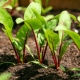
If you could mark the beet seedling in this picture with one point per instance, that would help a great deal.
(19, 41)
(35, 23)
(44, 11)
(58, 40)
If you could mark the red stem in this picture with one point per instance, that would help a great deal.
(12, 11)
(37, 46)
(44, 53)
(16, 53)
(55, 61)
(59, 60)
(24, 49)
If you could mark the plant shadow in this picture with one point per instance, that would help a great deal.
(29, 58)
(6, 61)
(33, 73)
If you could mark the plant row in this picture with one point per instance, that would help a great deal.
(54, 32)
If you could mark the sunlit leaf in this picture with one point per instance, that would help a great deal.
(38, 63)
(65, 19)
(8, 6)
(41, 39)
(51, 24)
(38, 1)
(63, 68)
(28, 48)
(73, 17)
(52, 38)
(5, 76)
(44, 11)
(75, 37)
(19, 20)
(64, 24)
(13, 3)
(78, 18)
(29, 13)
(48, 17)
(2, 2)
(21, 36)
(6, 20)
(39, 17)
(76, 75)
(60, 28)
(75, 69)
(34, 23)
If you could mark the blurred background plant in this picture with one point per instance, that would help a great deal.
(5, 76)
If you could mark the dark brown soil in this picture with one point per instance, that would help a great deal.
(28, 71)
(35, 72)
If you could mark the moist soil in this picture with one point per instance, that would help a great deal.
(28, 71)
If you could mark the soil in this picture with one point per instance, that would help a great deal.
(27, 71)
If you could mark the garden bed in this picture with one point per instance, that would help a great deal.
(47, 42)
(25, 71)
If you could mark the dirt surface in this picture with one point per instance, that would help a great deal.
(26, 71)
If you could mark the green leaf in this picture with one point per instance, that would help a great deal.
(75, 69)
(44, 11)
(60, 28)
(13, 3)
(52, 38)
(19, 8)
(38, 63)
(29, 13)
(64, 48)
(2, 63)
(65, 19)
(34, 23)
(5, 76)
(19, 20)
(6, 20)
(73, 17)
(8, 33)
(21, 36)
(8, 6)
(48, 17)
(2, 2)
(76, 75)
(78, 18)
(38, 1)
(63, 68)
(39, 17)
(75, 37)
(64, 24)
(51, 24)
(47, 1)
(41, 39)
(57, 17)
(30, 51)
